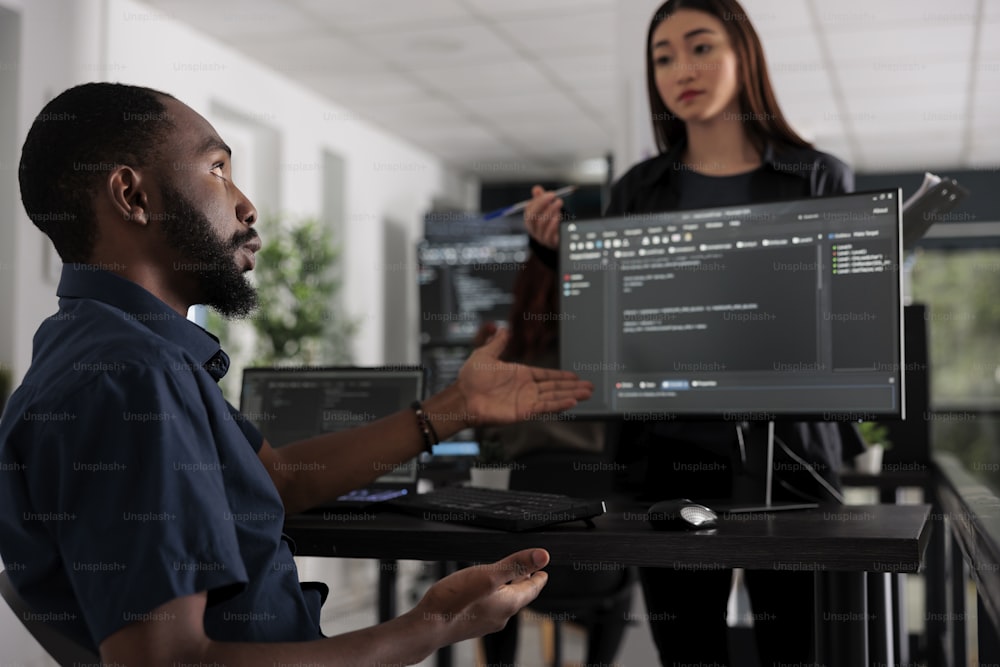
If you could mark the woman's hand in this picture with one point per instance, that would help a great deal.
(542, 216)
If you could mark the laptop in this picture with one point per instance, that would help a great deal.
(294, 403)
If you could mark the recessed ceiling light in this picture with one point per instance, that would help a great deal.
(597, 166)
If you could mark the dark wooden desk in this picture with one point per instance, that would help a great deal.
(839, 544)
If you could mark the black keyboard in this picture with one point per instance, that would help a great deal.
(504, 509)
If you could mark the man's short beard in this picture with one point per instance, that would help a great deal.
(221, 283)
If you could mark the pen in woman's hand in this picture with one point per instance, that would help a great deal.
(521, 205)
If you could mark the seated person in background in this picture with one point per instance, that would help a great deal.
(598, 599)
(139, 510)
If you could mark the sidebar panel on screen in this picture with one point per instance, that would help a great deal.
(585, 282)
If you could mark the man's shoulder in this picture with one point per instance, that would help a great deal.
(93, 336)
(92, 354)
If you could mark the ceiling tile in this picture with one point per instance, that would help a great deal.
(576, 33)
(440, 46)
(894, 77)
(792, 49)
(854, 14)
(814, 115)
(915, 45)
(800, 84)
(592, 69)
(989, 44)
(575, 134)
(464, 133)
(773, 17)
(322, 53)
(546, 9)
(364, 16)
(495, 78)
(986, 100)
(233, 21)
(360, 89)
(530, 83)
(401, 117)
(989, 40)
(547, 104)
(876, 104)
(604, 98)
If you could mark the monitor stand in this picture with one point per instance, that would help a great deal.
(739, 507)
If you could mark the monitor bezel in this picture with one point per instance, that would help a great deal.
(760, 415)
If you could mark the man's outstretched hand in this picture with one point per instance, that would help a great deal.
(479, 600)
(498, 392)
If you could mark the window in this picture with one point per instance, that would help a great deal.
(960, 285)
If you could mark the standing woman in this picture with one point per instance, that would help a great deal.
(723, 141)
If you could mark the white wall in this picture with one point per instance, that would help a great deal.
(10, 37)
(23, 294)
(634, 139)
(65, 42)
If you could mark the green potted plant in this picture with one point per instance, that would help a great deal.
(297, 286)
(491, 468)
(876, 438)
(297, 321)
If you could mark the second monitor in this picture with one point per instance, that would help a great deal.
(777, 310)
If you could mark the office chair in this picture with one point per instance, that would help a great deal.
(61, 648)
(596, 599)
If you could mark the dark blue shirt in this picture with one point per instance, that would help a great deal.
(127, 480)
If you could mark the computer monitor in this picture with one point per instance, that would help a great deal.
(782, 310)
(289, 404)
(465, 284)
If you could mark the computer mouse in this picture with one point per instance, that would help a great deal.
(681, 514)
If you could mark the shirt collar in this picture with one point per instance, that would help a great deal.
(85, 281)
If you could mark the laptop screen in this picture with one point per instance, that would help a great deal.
(295, 403)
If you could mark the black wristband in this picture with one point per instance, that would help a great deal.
(548, 256)
(426, 427)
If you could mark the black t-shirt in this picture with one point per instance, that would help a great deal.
(702, 191)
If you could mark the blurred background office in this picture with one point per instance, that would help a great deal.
(371, 115)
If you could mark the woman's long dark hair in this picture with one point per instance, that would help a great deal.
(534, 326)
(765, 124)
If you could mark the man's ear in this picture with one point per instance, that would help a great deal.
(127, 194)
